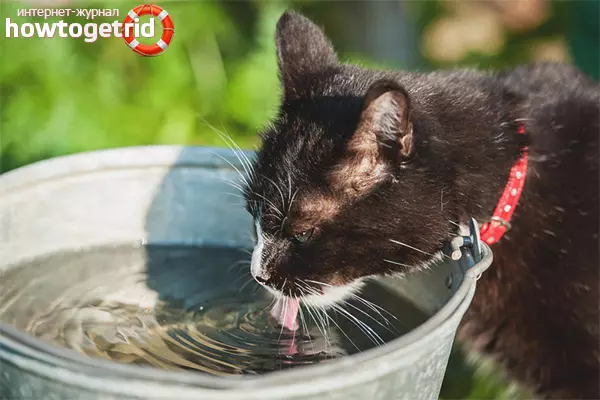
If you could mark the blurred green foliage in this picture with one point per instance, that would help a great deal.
(64, 96)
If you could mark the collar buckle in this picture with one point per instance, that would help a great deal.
(496, 219)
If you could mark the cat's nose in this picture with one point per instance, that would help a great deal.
(262, 277)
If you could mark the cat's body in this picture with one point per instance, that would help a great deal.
(358, 157)
(536, 309)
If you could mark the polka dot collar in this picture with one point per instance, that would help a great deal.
(492, 231)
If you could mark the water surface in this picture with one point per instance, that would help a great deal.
(185, 308)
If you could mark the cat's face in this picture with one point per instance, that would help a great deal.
(339, 191)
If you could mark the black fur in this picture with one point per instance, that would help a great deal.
(536, 309)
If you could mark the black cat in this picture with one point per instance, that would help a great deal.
(368, 172)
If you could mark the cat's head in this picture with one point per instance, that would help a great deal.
(340, 190)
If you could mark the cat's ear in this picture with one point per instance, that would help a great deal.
(302, 49)
(385, 118)
(383, 138)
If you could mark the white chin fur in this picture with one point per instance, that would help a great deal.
(333, 294)
(255, 266)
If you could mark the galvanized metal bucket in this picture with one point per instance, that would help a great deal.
(177, 195)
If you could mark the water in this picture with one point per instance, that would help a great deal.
(185, 308)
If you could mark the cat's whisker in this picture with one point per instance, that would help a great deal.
(292, 200)
(414, 248)
(373, 336)
(239, 263)
(361, 325)
(372, 333)
(305, 328)
(235, 185)
(354, 322)
(243, 156)
(237, 279)
(397, 263)
(246, 284)
(454, 223)
(345, 335)
(248, 169)
(371, 306)
(291, 197)
(285, 305)
(325, 319)
(442, 200)
(319, 322)
(254, 207)
(255, 291)
(271, 304)
(244, 178)
(236, 195)
(318, 283)
(524, 119)
(325, 337)
(246, 251)
(271, 215)
(276, 187)
(410, 247)
(368, 331)
(289, 187)
(371, 317)
(270, 204)
(296, 285)
(327, 329)
(374, 306)
(266, 239)
(237, 151)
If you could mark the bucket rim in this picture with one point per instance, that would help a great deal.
(37, 356)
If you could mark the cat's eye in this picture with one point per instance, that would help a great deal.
(303, 237)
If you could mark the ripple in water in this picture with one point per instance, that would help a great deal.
(184, 308)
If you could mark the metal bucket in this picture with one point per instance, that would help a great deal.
(177, 195)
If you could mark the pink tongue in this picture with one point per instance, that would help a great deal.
(285, 311)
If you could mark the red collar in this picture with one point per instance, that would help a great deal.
(492, 231)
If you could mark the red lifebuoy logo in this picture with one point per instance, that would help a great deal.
(132, 18)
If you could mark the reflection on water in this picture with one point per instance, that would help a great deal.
(184, 308)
